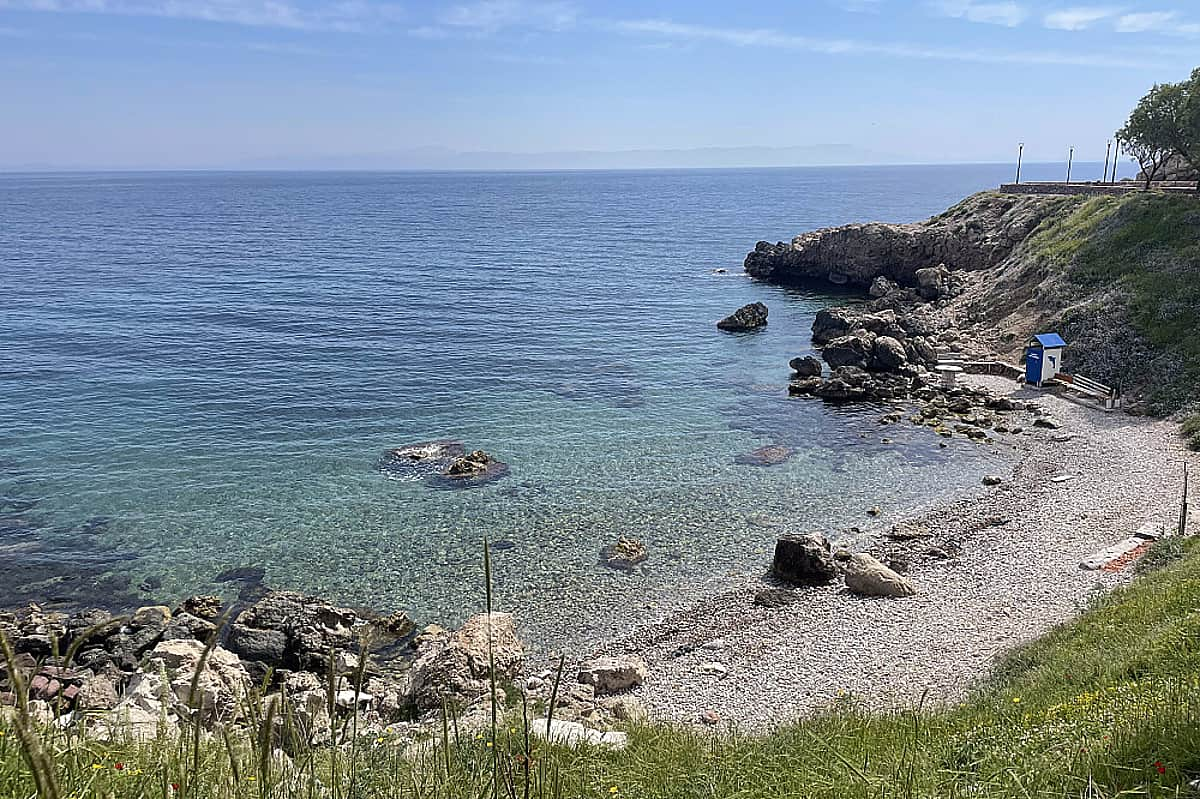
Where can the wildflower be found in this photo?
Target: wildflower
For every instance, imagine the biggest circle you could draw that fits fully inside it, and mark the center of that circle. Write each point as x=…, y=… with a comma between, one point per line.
x=251, y=778
x=614, y=789
x=1159, y=767
x=97, y=765
x=378, y=740
x=175, y=786
x=1016, y=700
x=489, y=744
x=119, y=766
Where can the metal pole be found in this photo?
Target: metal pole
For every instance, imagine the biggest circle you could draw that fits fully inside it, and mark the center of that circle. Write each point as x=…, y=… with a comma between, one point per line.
x=1020, y=151
x=1183, y=515
x=1070, y=158
x=1107, y=152
x=1116, y=160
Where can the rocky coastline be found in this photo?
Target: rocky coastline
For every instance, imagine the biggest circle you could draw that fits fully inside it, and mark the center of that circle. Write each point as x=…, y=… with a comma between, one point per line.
x=924, y=607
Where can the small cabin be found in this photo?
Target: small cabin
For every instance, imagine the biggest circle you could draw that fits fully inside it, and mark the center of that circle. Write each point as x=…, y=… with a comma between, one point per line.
x=1043, y=358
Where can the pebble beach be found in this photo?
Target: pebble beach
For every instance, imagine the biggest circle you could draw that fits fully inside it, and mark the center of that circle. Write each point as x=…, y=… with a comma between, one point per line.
x=1015, y=574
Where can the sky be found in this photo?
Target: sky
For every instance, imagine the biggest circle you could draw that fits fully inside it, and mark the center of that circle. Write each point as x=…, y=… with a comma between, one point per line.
x=562, y=83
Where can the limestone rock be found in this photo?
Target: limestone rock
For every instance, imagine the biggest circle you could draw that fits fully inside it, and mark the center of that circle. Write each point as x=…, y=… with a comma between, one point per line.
x=867, y=576
x=850, y=350
x=610, y=675
x=572, y=733
x=887, y=354
x=455, y=665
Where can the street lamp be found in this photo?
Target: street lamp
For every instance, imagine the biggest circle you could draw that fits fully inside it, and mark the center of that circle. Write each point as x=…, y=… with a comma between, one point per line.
x=1107, y=152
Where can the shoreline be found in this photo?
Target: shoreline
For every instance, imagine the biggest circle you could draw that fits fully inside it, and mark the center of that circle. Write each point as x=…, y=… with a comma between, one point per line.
x=1017, y=576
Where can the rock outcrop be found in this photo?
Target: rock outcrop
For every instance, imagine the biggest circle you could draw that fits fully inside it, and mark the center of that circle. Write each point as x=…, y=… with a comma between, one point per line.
x=748, y=317
x=976, y=234
x=455, y=666
x=609, y=675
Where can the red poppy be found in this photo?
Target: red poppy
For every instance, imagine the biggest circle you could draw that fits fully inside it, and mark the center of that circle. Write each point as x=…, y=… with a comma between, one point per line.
x=118, y=766
x=174, y=786
x=1159, y=767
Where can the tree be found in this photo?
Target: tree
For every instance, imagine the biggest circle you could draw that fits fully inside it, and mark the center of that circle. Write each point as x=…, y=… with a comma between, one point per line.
x=1187, y=133
x=1152, y=133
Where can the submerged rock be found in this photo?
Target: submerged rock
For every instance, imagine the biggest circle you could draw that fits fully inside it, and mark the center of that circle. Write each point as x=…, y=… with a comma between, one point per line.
x=469, y=471
x=625, y=554
x=748, y=317
x=769, y=455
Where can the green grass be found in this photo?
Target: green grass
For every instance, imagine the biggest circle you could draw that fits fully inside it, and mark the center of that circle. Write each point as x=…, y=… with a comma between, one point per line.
x=1106, y=706
x=1190, y=429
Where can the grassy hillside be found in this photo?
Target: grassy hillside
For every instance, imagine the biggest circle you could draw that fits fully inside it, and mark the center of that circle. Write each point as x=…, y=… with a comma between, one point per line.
x=1106, y=706
x=1121, y=277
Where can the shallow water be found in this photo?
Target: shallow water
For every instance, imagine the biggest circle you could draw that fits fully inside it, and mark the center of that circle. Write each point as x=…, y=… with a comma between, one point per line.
x=201, y=371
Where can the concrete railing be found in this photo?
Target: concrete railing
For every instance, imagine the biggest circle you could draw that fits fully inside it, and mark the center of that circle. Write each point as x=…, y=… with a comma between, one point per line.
x=1122, y=188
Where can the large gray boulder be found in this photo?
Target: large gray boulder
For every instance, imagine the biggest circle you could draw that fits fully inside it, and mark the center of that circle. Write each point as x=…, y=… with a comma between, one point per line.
x=868, y=577
x=748, y=317
x=888, y=355
x=851, y=350
x=803, y=559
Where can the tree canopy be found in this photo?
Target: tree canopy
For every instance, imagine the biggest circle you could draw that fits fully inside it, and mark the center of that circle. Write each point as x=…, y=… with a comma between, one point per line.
x=1165, y=124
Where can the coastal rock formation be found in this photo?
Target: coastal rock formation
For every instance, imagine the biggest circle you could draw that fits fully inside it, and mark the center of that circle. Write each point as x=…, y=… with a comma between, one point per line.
x=469, y=471
x=455, y=666
x=807, y=366
x=867, y=576
x=976, y=234
x=748, y=317
x=803, y=559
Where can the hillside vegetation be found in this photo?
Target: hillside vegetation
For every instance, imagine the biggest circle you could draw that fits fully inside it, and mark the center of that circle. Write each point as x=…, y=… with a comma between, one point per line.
x=1120, y=277
x=1106, y=706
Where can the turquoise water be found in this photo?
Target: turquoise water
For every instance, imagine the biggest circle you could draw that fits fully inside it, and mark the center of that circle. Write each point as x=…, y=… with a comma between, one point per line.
x=201, y=371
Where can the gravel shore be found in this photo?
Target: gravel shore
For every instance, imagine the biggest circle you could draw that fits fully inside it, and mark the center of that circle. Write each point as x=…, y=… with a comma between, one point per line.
x=1016, y=574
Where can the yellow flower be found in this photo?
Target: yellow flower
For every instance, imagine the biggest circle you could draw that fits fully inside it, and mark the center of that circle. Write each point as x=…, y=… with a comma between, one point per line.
x=251, y=778
x=97, y=765
x=1016, y=700
x=489, y=743
x=378, y=740
x=614, y=789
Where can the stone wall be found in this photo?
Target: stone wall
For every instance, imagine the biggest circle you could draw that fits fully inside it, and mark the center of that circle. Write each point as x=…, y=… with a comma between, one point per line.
x=1120, y=189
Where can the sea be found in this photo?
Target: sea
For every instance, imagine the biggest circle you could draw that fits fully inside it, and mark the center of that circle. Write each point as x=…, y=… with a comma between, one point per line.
x=200, y=372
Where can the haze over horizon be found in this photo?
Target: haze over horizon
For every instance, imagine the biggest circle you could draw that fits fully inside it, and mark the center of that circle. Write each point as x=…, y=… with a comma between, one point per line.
x=494, y=84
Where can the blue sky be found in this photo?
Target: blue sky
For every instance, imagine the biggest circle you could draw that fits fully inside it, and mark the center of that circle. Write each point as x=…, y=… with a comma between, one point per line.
x=215, y=83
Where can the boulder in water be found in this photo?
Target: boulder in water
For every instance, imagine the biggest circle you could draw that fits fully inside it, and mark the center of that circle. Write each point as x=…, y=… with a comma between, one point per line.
x=625, y=554
x=748, y=317
x=803, y=559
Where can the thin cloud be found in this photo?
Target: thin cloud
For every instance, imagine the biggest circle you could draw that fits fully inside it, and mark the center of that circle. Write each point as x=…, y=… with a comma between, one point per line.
x=1008, y=14
x=775, y=39
x=348, y=16
x=1143, y=22
x=493, y=15
x=1078, y=18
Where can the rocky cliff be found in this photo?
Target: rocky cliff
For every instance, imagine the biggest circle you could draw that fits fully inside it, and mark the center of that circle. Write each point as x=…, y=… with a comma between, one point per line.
x=976, y=234
x=1119, y=277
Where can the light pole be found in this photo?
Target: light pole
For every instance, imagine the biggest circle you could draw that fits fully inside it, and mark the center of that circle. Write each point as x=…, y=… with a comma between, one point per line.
x=1116, y=160
x=1107, y=152
x=1070, y=158
x=1020, y=152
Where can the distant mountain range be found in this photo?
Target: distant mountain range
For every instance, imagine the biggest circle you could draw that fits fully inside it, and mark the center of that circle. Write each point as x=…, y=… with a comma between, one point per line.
x=445, y=158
